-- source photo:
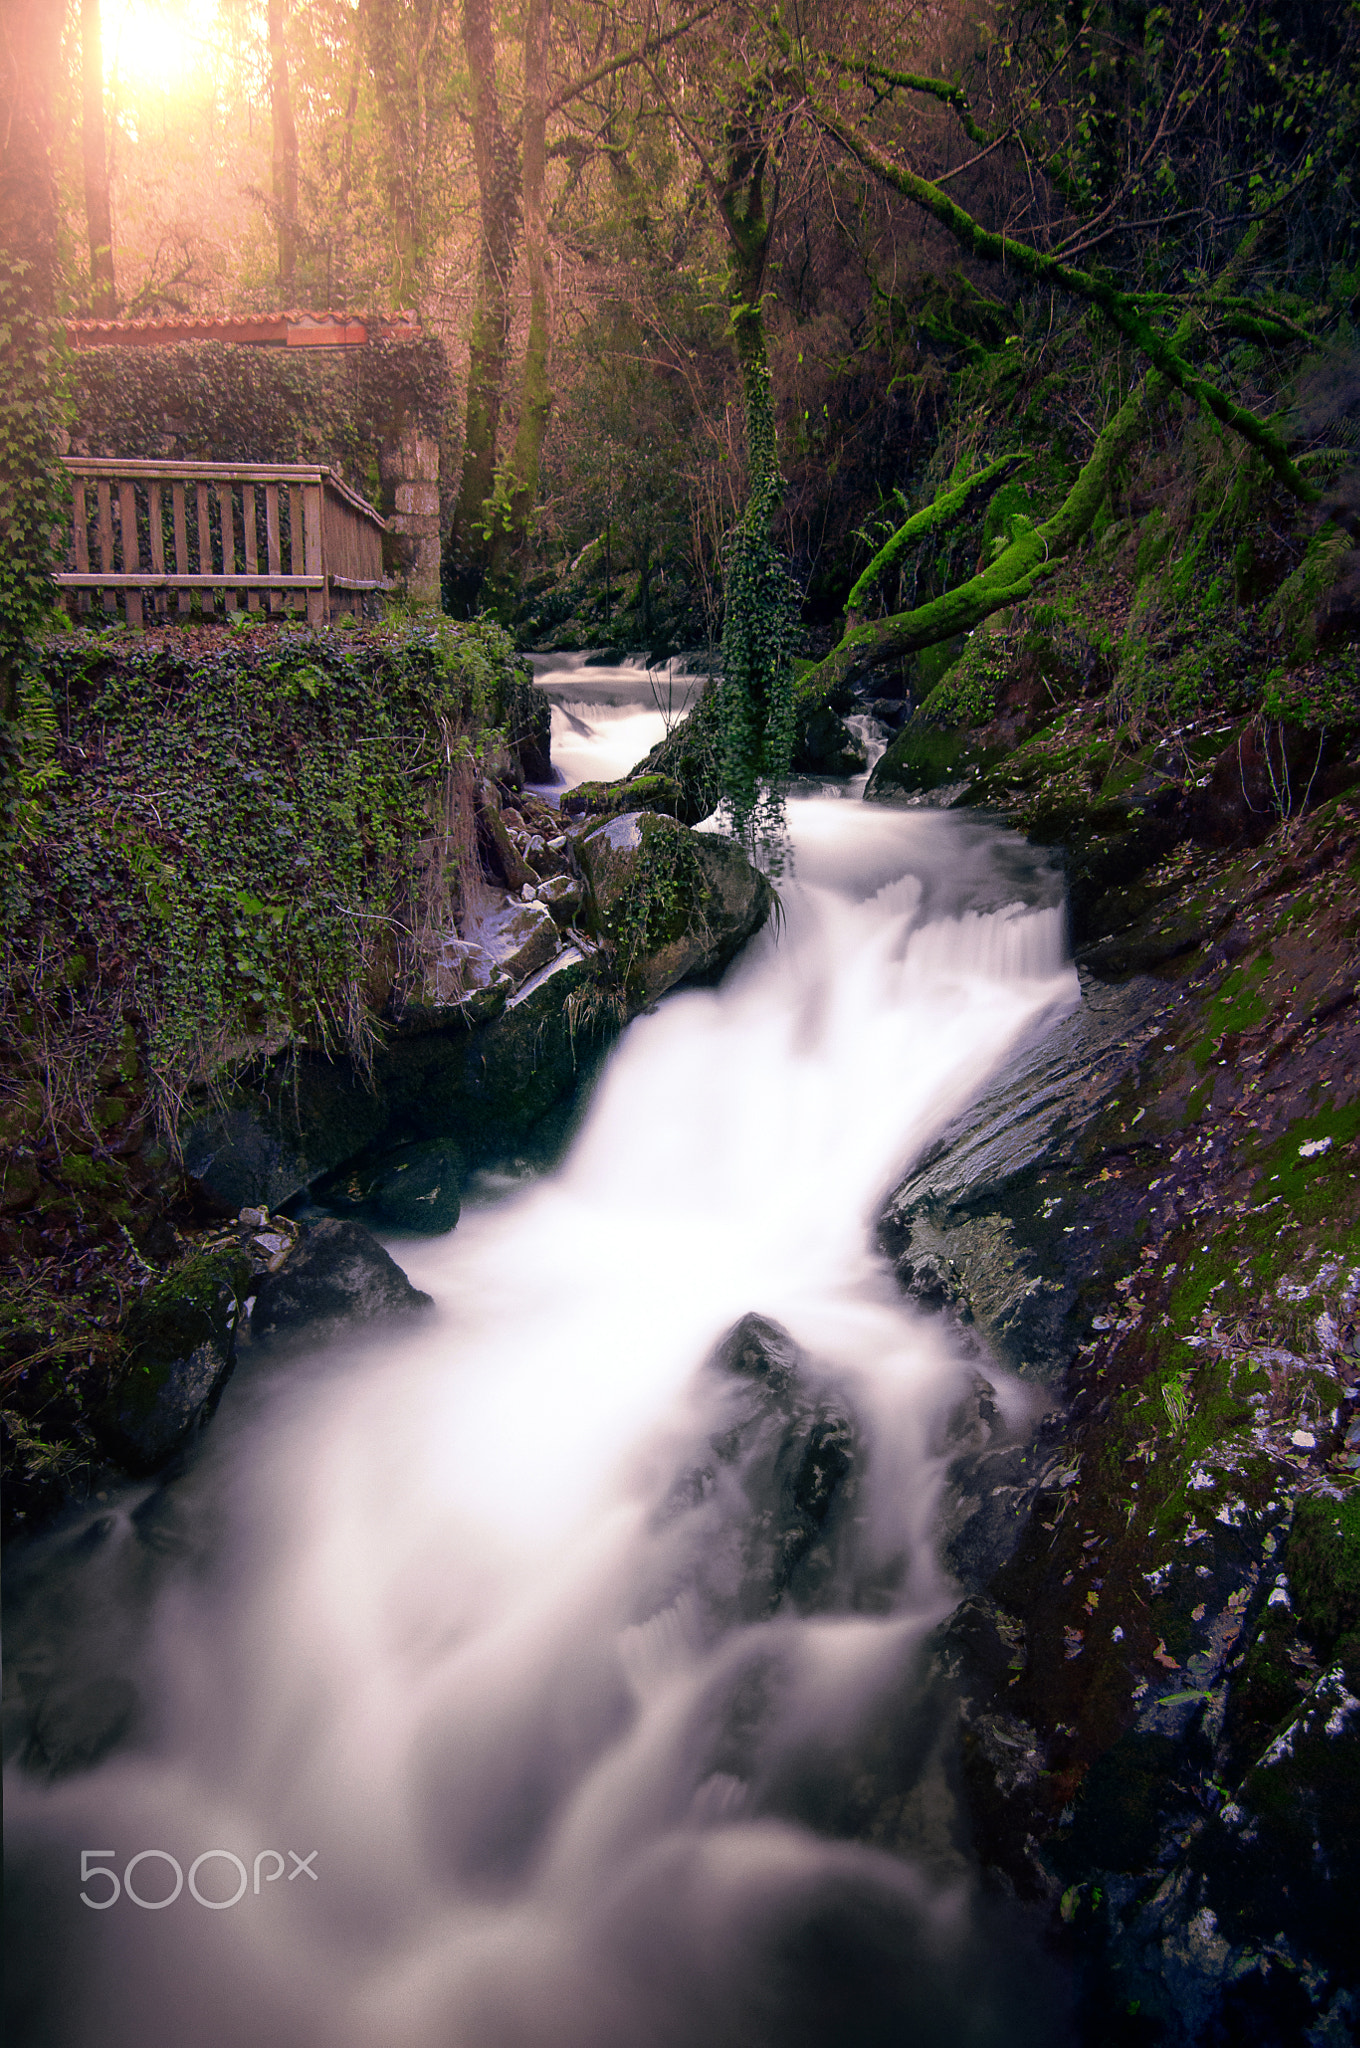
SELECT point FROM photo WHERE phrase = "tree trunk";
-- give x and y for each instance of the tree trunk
(398, 76)
(536, 396)
(94, 148)
(494, 156)
(342, 251)
(31, 487)
(284, 163)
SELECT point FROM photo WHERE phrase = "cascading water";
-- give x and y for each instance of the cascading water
(605, 717)
(586, 1657)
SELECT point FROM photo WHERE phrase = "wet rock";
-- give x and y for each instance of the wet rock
(181, 1349)
(564, 896)
(758, 1349)
(514, 939)
(774, 1489)
(498, 849)
(338, 1282)
(530, 729)
(931, 1280)
(985, 1224)
(991, 1483)
(413, 1187)
(79, 1723)
(825, 745)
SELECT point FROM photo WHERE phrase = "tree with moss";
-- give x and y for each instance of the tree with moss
(760, 611)
(1167, 328)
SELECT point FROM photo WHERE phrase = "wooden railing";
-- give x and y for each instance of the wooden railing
(271, 537)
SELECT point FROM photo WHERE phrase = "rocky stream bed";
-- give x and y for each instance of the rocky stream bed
(1153, 1677)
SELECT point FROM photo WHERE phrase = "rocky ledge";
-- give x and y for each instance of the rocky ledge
(575, 927)
(1155, 1218)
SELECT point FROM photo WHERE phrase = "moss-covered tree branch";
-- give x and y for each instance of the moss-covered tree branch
(947, 90)
(1123, 311)
(1032, 554)
(942, 512)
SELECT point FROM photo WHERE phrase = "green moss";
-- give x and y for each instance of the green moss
(924, 757)
(1323, 1562)
(242, 836)
(1155, 539)
(665, 894)
(94, 1177)
(194, 1305)
(1316, 1188)
(1237, 1006)
(1324, 696)
(1293, 612)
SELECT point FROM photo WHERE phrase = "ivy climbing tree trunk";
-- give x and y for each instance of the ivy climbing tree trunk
(760, 612)
(284, 153)
(95, 154)
(535, 403)
(32, 483)
(498, 201)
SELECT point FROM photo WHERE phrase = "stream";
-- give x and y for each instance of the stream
(545, 1676)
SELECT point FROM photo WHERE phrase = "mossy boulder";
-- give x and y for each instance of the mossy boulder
(182, 1347)
(924, 757)
(671, 904)
(645, 792)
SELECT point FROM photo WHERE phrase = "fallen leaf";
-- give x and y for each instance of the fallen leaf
(1160, 1655)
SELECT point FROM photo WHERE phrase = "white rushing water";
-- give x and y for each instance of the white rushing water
(605, 716)
(502, 1615)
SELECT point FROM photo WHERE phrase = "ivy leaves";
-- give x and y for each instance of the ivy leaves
(240, 828)
(760, 628)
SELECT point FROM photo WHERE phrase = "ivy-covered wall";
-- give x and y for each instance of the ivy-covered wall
(229, 843)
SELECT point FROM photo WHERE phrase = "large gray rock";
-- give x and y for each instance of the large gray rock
(337, 1282)
(984, 1225)
(500, 948)
(775, 1489)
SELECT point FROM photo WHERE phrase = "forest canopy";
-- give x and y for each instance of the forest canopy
(722, 284)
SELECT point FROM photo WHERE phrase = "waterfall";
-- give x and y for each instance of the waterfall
(585, 1655)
